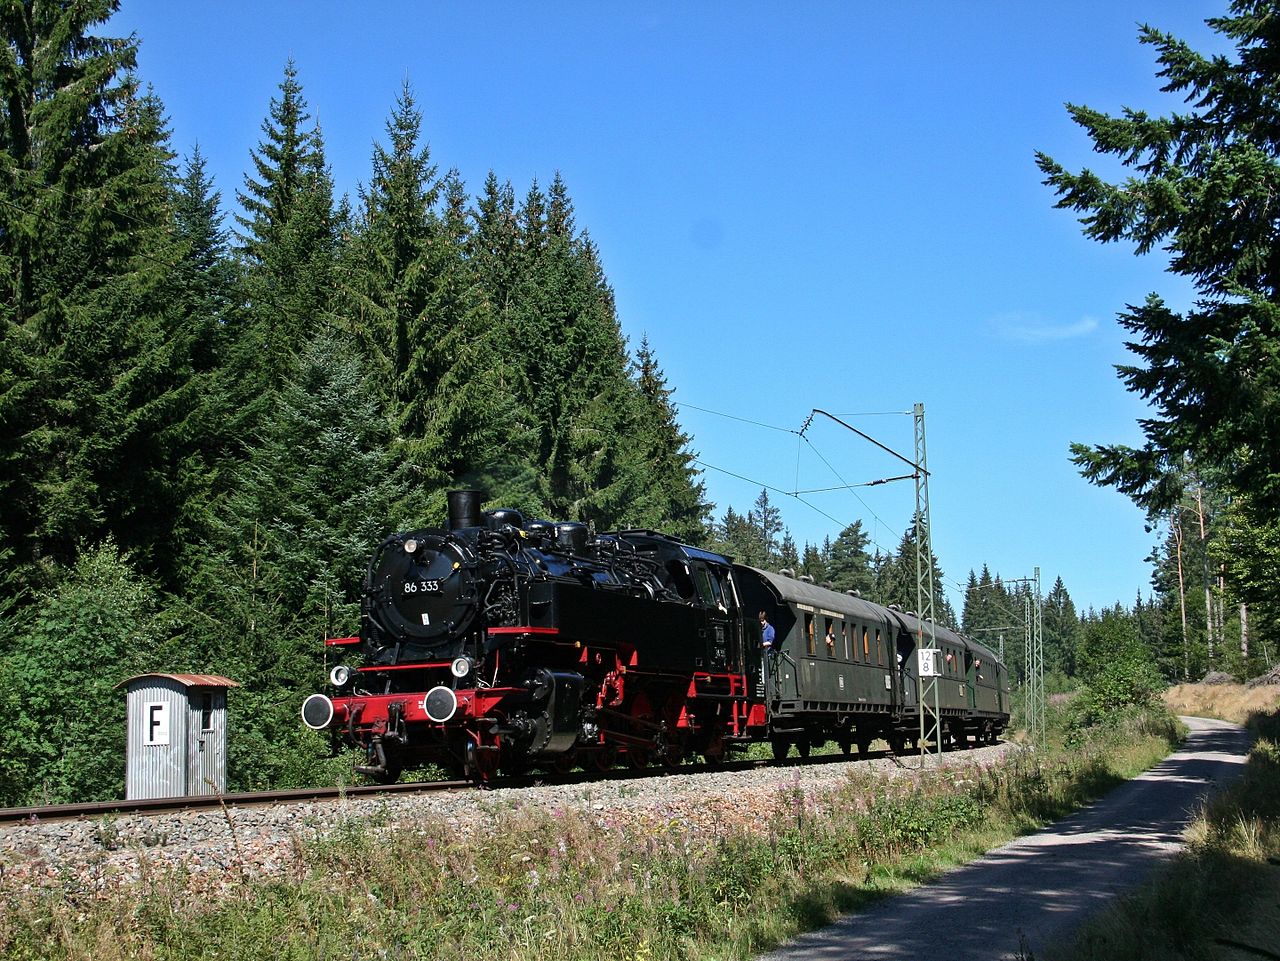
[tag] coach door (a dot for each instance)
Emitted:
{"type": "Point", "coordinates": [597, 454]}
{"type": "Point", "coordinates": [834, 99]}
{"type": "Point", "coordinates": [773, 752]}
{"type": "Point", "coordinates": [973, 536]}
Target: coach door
{"type": "Point", "coordinates": [905, 670]}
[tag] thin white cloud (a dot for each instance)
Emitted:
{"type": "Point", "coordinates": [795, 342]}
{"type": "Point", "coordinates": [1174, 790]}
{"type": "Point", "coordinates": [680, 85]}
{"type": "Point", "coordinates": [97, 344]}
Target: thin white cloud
{"type": "Point", "coordinates": [1033, 330]}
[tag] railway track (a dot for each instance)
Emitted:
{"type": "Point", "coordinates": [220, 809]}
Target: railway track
{"type": "Point", "coordinates": [54, 812]}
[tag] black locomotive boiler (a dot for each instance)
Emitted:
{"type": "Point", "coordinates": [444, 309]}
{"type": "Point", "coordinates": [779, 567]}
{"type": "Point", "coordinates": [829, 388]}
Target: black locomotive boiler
{"type": "Point", "coordinates": [497, 643]}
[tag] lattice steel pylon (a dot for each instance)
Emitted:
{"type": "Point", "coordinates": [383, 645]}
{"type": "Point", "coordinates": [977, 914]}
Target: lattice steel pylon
{"type": "Point", "coordinates": [930, 722]}
{"type": "Point", "coordinates": [1035, 666]}
{"type": "Point", "coordinates": [1032, 657]}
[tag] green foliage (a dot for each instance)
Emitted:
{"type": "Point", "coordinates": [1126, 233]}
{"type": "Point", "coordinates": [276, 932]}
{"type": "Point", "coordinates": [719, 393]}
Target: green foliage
{"type": "Point", "coordinates": [245, 422]}
{"type": "Point", "coordinates": [751, 538]}
{"type": "Point", "coordinates": [1060, 628]}
{"type": "Point", "coordinates": [64, 737]}
{"type": "Point", "coordinates": [896, 581]}
{"type": "Point", "coordinates": [847, 561]}
{"type": "Point", "coordinates": [1119, 675]}
{"type": "Point", "coordinates": [288, 550]}
{"type": "Point", "coordinates": [92, 364]}
{"type": "Point", "coordinates": [675, 500]}
{"type": "Point", "coordinates": [1201, 188]}
{"type": "Point", "coordinates": [287, 245]}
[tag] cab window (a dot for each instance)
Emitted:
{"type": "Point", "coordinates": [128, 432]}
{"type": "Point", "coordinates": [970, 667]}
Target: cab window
{"type": "Point", "coordinates": [704, 586]}
{"type": "Point", "coordinates": [717, 590]}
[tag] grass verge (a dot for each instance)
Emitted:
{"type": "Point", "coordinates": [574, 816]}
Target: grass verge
{"type": "Point", "coordinates": [566, 885]}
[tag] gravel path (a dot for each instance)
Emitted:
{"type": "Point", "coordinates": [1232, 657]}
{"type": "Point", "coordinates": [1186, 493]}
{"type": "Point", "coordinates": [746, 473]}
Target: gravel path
{"type": "Point", "coordinates": [1043, 885]}
{"type": "Point", "coordinates": [217, 848]}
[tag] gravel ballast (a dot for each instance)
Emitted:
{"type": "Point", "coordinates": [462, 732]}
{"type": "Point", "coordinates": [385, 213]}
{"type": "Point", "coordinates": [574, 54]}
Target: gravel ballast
{"type": "Point", "coordinates": [219, 848]}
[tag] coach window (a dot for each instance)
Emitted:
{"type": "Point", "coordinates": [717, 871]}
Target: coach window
{"type": "Point", "coordinates": [845, 631]}
{"type": "Point", "coordinates": [810, 646]}
{"type": "Point", "coordinates": [879, 649]}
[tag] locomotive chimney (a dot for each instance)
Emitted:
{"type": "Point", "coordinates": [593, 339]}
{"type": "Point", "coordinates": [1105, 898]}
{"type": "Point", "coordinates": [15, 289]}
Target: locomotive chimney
{"type": "Point", "coordinates": [464, 509]}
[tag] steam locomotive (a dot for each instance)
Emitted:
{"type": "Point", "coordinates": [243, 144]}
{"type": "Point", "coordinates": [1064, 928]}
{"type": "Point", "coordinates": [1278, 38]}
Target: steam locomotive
{"type": "Point", "coordinates": [500, 644]}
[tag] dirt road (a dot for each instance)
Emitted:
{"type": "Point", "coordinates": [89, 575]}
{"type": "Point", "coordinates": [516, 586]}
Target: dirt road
{"type": "Point", "coordinates": [1045, 884]}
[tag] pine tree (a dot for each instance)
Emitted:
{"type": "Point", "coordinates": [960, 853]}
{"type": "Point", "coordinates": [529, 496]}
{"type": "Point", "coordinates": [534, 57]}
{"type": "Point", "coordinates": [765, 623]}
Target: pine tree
{"type": "Point", "coordinates": [896, 581]}
{"type": "Point", "coordinates": [788, 555]}
{"type": "Point", "coordinates": [766, 522]}
{"type": "Point", "coordinates": [572, 363]}
{"type": "Point", "coordinates": [395, 267]}
{"type": "Point", "coordinates": [737, 537]}
{"type": "Point", "coordinates": [813, 565]}
{"type": "Point", "coordinates": [493, 248]}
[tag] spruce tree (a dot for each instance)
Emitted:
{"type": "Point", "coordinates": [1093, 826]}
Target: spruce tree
{"type": "Point", "coordinates": [788, 555]}
{"type": "Point", "coordinates": [1202, 188]}
{"type": "Point", "coordinates": [896, 581]}
{"type": "Point", "coordinates": [1061, 630]}
{"type": "Point", "coordinates": [285, 560]}
{"type": "Point", "coordinates": [493, 245]}
{"type": "Point", "coordinates": [736, 536]}
{"type": "Point", "coordinates": [674, 498]}
{"type": "Point", "coordinates": [766, 523]}
{"type": "Point", "coordinates": [287, 243]}
{"type": "Point", "coordinates": [812, 564]}
{"type": "Point", "coordinates": [847, 561]}
{"type": "Point", "coordinates": [88, 367]}
{"type": "Point", "coordinates": [571, 372]}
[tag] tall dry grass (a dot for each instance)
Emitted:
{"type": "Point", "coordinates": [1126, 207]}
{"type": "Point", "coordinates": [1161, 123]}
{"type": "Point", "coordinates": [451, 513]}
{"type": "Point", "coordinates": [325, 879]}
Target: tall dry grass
{"type": "Point", "coordinates": [1230, 702]}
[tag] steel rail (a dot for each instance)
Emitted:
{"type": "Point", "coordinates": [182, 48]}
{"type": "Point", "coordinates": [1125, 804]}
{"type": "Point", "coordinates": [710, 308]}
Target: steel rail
{"type": "Point", "coordinates": [91, 809]}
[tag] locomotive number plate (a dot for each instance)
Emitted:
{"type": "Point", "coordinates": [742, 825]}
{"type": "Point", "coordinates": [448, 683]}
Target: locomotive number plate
{"type": "Point", "coordinates": [421, 587]}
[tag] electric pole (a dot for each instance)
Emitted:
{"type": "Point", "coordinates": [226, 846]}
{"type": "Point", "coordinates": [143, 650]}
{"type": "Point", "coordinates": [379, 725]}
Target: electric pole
{"type": "Point", "coordinates": [930, 720]}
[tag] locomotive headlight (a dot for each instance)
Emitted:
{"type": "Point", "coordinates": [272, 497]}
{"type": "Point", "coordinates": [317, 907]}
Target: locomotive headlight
{"type": "Point", "coordinates": [460, 667]}
{"type": "Point", "coordinates": [411, 546]}
{"type": "Point", "coordinates": [339, 676]}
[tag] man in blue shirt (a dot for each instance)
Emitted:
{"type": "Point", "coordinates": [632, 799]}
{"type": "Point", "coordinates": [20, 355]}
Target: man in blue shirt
{"type": "Point", "coordinates": [768, 639]}
{"type": "Point", "coordinates": [767, 633]}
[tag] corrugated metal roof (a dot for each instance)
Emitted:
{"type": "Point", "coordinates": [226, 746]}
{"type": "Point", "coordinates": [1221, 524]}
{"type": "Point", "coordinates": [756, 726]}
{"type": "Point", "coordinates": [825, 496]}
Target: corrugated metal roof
{"type": "Point", "coordinates": [188, 680]}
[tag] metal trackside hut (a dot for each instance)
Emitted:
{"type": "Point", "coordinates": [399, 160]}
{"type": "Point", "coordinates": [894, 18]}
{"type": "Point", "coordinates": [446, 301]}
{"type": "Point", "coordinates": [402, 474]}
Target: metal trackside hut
{"type": "Point", "coordinates": [177, 743]}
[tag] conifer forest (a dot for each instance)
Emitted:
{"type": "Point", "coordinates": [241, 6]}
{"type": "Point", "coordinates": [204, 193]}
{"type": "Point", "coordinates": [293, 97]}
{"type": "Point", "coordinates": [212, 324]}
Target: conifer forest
{"type": "Point", "coordinates": [216, 399]}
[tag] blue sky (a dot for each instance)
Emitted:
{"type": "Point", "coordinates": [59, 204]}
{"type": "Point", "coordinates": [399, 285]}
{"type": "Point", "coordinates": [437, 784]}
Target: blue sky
{"type": "Point", "coordinates": [828, 204]}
